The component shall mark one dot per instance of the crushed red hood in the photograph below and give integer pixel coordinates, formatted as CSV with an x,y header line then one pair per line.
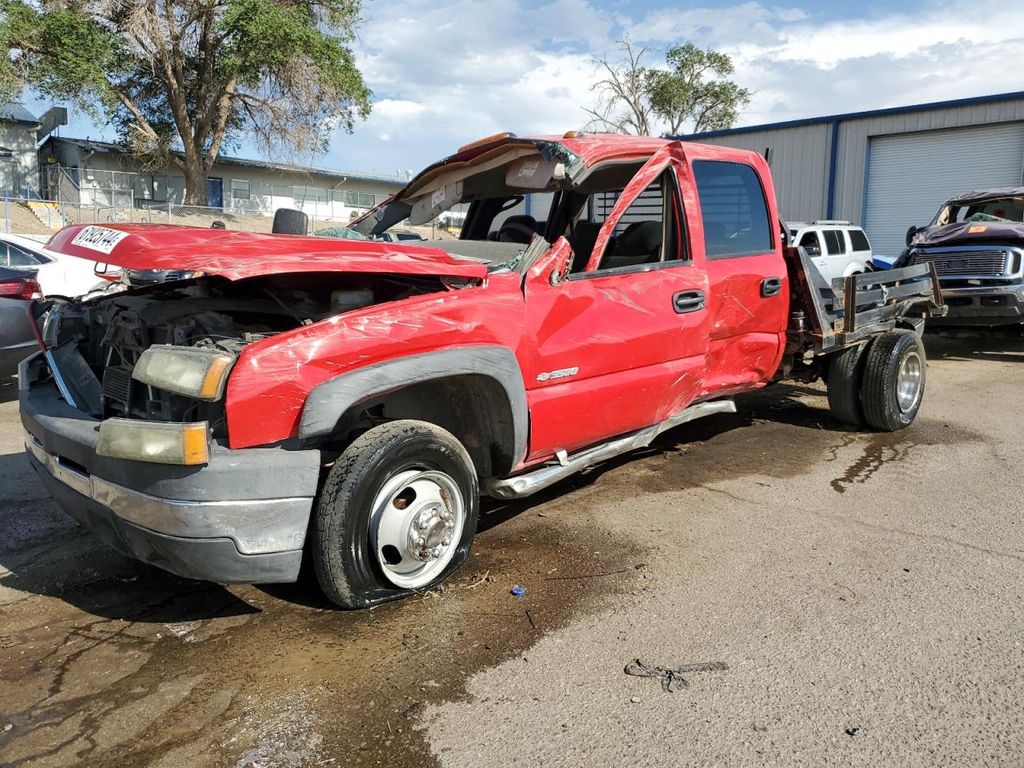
x,y
238,255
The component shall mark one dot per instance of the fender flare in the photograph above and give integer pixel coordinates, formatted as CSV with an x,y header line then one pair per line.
x,y
331,399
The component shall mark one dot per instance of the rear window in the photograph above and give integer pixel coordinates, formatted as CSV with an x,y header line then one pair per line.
x,y
859,240
23,258
734,209
810,243
835,243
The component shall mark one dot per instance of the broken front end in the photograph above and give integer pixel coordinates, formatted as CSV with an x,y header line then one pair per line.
x,y
125,413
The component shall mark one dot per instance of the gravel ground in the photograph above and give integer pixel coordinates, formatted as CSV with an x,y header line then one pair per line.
x,y
859,596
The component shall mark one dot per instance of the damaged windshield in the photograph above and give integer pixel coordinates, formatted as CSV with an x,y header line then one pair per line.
x,y
491,205
1008,209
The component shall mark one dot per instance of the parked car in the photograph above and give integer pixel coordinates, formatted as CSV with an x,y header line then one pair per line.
x,y
282,395
836,248
976,244
18,288
400,236
59,274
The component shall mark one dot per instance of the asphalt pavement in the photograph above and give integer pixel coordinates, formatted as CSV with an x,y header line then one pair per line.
x,y
827,597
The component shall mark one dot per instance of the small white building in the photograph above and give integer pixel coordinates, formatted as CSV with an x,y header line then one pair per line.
x,y
20,133
18,128
98,173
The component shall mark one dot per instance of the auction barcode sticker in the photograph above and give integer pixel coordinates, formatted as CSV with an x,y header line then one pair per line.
x,y
102,239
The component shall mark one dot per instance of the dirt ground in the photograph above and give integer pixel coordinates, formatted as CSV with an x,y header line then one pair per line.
x,y
862,596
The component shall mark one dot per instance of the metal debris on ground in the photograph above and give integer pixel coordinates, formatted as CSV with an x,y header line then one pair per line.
x,y
672,677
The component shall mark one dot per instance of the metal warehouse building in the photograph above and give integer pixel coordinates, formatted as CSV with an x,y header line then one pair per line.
x,y
888,168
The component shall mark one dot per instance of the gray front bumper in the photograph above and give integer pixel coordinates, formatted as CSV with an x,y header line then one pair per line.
x,y
983,305
242,517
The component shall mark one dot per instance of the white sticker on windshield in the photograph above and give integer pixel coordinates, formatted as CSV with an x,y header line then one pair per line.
x,y
437,199
102,239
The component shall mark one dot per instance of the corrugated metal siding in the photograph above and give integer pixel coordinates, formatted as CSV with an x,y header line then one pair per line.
x,y
800,154
797,159
854,136
911,174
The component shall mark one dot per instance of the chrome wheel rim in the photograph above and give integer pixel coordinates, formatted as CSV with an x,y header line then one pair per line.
x,y
908,382
415,525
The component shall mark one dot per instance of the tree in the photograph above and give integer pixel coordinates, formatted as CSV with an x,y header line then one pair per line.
x,y
181,79
623,104
694,93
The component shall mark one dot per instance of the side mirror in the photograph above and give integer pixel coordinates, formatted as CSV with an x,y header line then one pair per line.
x,y
910,234
550,264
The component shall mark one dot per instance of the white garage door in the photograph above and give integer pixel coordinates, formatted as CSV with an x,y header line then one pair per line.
x,y
910,175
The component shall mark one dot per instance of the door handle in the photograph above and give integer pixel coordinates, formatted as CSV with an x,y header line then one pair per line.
x,y
771,286
688,301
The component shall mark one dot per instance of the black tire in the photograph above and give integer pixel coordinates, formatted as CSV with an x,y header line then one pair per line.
x,y
845,372
346,566
880,393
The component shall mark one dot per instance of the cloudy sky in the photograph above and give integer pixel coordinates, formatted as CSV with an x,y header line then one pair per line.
x,y
444,73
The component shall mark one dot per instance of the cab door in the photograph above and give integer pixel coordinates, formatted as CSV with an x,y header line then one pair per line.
x,y
619,345
748,305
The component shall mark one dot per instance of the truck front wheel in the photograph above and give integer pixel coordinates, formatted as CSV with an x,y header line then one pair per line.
x,y
396,514
894,378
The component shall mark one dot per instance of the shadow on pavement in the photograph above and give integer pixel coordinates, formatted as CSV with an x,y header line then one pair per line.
x,y
46,553
996,344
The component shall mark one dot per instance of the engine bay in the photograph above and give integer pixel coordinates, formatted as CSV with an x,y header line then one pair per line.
x,y
97,343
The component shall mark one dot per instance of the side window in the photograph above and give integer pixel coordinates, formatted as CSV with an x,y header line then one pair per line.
x,y
834,242
3,255
20,258
859,240
734,209
811,243
648,232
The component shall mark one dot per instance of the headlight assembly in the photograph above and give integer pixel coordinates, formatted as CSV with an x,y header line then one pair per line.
x,y
198,373
159,442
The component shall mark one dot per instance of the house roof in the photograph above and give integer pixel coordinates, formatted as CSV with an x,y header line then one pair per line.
x,y
90,145
976,100
12,112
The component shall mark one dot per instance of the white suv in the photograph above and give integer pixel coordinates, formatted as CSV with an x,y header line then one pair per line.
x,y
837,248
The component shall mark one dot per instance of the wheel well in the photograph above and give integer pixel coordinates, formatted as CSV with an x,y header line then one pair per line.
x,y
474,408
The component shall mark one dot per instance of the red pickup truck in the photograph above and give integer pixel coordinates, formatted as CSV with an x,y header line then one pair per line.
x,y
241,401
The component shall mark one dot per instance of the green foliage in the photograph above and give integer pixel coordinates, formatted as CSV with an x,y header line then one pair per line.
x,y
695,94
181,79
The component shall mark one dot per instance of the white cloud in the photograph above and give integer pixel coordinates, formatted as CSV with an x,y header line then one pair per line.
x,y
445,75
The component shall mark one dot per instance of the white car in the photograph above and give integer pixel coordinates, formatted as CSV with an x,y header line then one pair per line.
x,y
401,236
837,248
57,273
